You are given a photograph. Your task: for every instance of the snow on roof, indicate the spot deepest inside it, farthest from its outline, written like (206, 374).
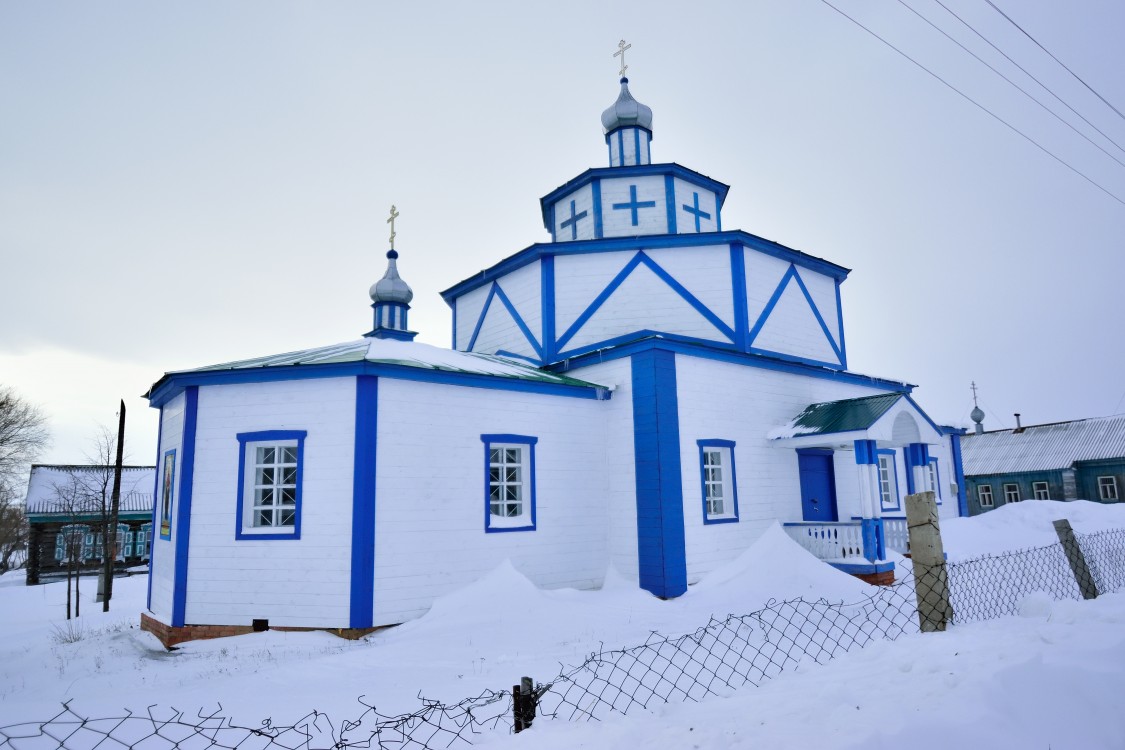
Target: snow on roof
(845, 415)
(406, 354)
(50, 488)
(1043, 447)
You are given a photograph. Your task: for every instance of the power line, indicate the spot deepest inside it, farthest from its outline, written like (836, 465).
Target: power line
(980, 106)
(1030, 75)
(1060, 62)
(1019, 88)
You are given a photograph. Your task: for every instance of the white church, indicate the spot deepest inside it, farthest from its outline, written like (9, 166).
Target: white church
(647, 391)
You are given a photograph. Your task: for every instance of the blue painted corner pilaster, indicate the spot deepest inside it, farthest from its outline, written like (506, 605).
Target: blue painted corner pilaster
(661, 547)
(874, 545)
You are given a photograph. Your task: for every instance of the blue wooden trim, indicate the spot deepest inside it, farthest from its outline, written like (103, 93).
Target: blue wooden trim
(629, 344)
(362, 601)
(718, 216)
(522, 357)
(155, 511)
(926, 416)
(959, 473)
(547, 307)
(159, 497)
(648, 242)
(729, 445)
(771, 303)
(263, 436)
(670, 202)
(840, 322)
(874, 539)
(816, 313)
(173, 384)
(677, 287)
(695, 211)
(502, 438)
(914, 454)
(894, 475)
(637, 144)
(183, 518)
(662, 554)
(639, 170)
(738, 290)
(863, 568)
(866, 452)
(572, 222)
(454, 347)
(620, 148)
(795, 358)
(497, 292)
(480, 318)
(596, 189)
(633, 206)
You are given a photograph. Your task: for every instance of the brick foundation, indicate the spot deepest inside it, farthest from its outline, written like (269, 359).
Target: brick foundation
(886, 578)
(172, 636)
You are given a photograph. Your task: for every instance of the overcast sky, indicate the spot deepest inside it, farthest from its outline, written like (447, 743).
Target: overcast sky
(185, 184)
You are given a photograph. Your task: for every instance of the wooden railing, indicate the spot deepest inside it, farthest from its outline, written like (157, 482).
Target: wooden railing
(896, 535)
(828, 541)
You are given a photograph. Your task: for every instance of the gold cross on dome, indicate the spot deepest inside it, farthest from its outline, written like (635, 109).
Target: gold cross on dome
(621, 47)
(391, 221)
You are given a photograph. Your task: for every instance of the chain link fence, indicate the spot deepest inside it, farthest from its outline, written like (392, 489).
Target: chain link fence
(724, 655)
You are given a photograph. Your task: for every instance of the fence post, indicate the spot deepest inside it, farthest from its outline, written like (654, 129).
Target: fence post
(1076, 559)
(931, 580)
(523, 704)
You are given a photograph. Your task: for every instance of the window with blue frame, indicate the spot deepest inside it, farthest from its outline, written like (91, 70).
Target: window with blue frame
(717, 478)
(509, 482)
(270, 470)
(888, 480)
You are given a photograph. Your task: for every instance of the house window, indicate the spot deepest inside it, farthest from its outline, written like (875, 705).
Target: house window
(1107, 488)
(717, 475)
(168, 477)
(509, 480)
(933, 476)
(141, 544)
(270, 469)
(1011, 493)
(1041, 490)
(984, 495)
(888, 480)
(70, 543)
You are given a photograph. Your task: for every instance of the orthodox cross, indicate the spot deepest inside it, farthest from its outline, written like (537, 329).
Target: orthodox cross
(572, 222)
(633, 204)
(391, 221)
(621, 47)
(695, 210)
(974, 389)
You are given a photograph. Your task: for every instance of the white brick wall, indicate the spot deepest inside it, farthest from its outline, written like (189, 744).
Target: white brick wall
(163, 550)
(429, 514)
(303, 582)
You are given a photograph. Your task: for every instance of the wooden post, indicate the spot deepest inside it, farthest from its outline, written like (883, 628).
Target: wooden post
(931, 581)
(523, 704)
(109, 549)
(1076, 559)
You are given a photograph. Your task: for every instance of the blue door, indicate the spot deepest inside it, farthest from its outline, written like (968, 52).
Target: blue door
(818, 485)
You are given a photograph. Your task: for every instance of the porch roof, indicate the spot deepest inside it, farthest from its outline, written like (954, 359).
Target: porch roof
(890, 418)
(842, 416)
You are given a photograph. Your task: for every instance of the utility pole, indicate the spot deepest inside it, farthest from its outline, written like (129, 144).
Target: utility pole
(110, 549)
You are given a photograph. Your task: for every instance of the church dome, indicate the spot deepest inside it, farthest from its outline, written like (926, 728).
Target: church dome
(391, 288)
(626, 112)
(977, 415)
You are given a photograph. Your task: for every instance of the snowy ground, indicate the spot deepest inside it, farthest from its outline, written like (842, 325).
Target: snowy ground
(1052, 677)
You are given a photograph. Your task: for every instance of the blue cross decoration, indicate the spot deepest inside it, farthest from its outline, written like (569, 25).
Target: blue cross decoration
(695, 210)
(572, 222)
(634, 204)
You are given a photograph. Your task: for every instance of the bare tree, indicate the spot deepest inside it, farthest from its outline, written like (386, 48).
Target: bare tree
(13, 531)
(23, 434)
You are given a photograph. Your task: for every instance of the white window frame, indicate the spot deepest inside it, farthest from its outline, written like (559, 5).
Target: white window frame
(1041, 490)
(277, 478)
(1107, 488)
(718, 481)
(1011, 492)
(982, 491)
(509, 480)
(887, 477)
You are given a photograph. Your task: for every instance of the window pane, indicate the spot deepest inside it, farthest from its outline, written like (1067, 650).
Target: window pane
(494, 455)
(264, 497)
(289, 475)
(288, 496)
(513, 455)
(290, 454)
(264, 518)
(265, 455)
(287, 517)
(265, 476)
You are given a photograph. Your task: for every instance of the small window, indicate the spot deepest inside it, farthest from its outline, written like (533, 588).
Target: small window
(933, 476)
(509, 466)
(141, 544)
(168, 478)
(720, 493)
(1107, 488)
(1041, 490)
(888, 480)
(70, 543)
(1011, 493)
(269, 490)
(984, 495)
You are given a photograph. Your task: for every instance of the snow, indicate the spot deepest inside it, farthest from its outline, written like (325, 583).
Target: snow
(1050, 676)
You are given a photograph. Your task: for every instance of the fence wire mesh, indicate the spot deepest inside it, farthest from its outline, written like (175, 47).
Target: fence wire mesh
(725, 654)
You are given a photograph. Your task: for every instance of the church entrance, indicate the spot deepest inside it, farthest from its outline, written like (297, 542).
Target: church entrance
(818, 485)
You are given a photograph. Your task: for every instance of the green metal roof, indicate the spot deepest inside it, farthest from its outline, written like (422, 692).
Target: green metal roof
(842, 416)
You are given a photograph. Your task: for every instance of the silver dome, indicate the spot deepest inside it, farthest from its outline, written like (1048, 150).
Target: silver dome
(976, 414)
(391, 288)
(626, 111)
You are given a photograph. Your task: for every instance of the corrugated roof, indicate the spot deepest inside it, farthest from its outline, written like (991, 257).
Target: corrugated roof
(1043, 447)
(405, 354)
(77, 489)
(841, 416)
